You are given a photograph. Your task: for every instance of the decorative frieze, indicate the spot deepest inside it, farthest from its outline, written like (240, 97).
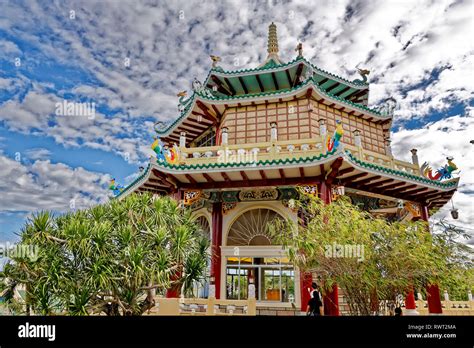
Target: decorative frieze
(258, 195)
(191, 196)
(228, 206)
(310, 190)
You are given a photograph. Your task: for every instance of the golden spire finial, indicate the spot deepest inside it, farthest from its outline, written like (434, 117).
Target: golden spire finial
(272, 49)
(272, 39)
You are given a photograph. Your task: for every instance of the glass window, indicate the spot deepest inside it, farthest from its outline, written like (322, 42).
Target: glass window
(273, 277)
(207, 140)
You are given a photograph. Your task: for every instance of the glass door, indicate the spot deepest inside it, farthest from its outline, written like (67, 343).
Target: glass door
(274, 278)
(237, 283)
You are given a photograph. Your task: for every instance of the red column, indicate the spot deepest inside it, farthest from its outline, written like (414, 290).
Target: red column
(218, 136)
(434, 300)
(432, 290)
(325, 192)
(331, 299)
(331, 302)
(410, 300)
(174, 290)
(306, 279)
(425, 215)
(216, 246)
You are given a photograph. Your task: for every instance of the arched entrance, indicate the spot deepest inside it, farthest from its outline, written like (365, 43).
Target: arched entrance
(251, 256)
(251, 228)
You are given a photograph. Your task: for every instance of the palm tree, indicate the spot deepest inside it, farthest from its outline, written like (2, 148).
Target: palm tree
(110, 258)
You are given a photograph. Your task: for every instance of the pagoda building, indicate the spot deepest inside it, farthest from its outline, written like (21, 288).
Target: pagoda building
(246, 139)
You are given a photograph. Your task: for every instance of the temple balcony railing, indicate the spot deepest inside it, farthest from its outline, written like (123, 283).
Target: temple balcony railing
(383, 160)
(252, 152)
(285, 149)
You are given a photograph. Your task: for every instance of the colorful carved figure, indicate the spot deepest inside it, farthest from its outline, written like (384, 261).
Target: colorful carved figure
(158, 147)
(333, 142)
(442, 173)
(116, 189)
(172, 155)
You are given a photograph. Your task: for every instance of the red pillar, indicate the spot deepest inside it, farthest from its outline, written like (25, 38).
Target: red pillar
(216, 246)
(425, 215)
(306, 279)
(331, 299)
(331, 302)
(410, 300)
(325, 192)
(174, 290)
(432, 290)
(434, 300)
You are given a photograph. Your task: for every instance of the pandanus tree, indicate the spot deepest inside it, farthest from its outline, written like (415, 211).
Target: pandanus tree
(111, 258)
(369, 258)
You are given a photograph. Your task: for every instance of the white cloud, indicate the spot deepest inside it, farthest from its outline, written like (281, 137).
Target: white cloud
(43, 185)
(38, 153)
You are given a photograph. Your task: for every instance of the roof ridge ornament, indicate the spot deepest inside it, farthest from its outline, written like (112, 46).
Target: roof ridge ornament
(272, 39)
(272, 46)
(215, 60)
(181, 102)
(199, 89)
(299, 49)
(363, 73)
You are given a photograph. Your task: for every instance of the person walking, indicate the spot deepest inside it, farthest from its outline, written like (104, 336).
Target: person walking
(315, 305)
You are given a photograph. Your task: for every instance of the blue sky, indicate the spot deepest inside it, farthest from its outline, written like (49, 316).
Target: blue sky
(130, 58)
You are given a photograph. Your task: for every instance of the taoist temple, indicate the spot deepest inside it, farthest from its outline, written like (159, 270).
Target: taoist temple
(245, 139)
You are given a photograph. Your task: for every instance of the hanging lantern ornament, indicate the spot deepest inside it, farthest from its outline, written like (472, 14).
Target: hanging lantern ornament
(454, 211)
(337, 191)
(340, 190)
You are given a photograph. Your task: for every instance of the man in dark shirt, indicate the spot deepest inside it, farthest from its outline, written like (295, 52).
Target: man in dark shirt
(314, 305)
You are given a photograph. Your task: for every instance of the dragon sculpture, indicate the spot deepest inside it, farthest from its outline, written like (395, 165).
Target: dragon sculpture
(200, 89)
(363, 73)
(215, 60)
(442, 173)
(181, 102)
(333, 142)
(116, 189)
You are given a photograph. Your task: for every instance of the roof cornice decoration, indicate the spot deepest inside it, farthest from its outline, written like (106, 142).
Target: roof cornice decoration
(305, 161)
